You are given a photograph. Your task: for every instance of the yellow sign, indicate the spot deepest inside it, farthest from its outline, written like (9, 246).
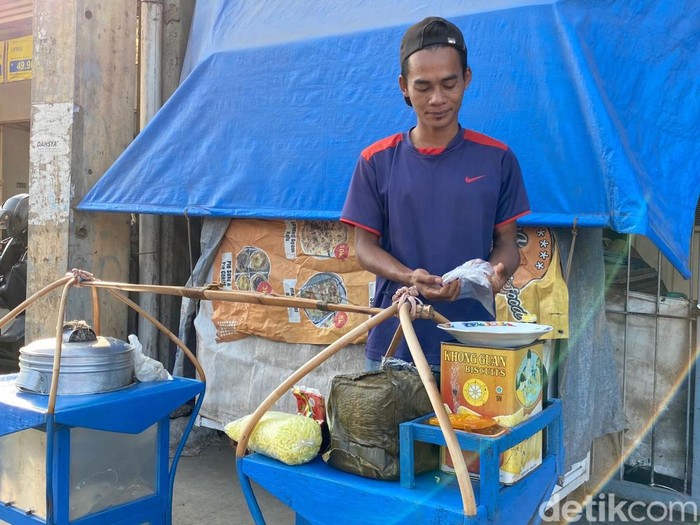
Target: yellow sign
(2, 62)
(19, 59)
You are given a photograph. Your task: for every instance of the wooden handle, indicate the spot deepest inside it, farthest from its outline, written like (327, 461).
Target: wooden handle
(426, 375)
(207, 293)
(56, 370)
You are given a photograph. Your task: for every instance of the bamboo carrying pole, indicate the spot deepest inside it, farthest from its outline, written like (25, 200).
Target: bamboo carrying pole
(80, 278)
(213, 294)
(59, 345)
(426, 375)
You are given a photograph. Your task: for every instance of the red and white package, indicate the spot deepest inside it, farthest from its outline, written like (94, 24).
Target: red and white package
(310, 403)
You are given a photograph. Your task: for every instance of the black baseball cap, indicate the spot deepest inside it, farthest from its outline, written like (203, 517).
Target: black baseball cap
(429, 31)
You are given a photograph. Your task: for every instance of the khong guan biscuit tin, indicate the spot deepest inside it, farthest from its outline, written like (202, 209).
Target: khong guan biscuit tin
(501, 383)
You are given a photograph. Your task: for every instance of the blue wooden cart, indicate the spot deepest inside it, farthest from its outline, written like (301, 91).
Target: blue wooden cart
(57, 436)
(320, 494)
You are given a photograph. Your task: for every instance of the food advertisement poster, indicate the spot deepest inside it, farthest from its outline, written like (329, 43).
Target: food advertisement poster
(19, 59)
(537, 287)
(306, 259)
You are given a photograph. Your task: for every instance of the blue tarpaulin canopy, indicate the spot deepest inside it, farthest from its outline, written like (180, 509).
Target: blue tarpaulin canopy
(599, 100)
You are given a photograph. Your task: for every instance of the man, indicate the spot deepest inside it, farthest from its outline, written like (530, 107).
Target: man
(425, 201)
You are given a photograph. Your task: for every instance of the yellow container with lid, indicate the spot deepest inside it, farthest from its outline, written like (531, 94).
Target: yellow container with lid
(505, 384)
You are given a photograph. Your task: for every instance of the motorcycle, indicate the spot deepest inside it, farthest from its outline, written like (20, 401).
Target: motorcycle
(13, 275)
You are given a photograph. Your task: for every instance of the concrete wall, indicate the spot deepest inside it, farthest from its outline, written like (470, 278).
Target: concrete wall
(15, 108)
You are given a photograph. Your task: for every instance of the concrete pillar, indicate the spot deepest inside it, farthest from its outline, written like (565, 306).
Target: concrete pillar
(83, 99)
(177, 19)
(175, 264)
(150, 74)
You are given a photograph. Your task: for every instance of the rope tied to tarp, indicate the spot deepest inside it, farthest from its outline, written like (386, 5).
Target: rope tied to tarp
(570, 258)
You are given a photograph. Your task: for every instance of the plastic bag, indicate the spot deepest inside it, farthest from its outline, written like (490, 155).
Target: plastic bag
(289, 438)
(398, 364)
(474, 278)
(145, 368)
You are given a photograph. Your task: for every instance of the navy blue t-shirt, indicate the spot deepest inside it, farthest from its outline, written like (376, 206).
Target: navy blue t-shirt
(433, 209)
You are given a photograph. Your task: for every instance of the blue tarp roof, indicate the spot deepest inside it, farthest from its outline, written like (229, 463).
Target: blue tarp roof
(599, 100)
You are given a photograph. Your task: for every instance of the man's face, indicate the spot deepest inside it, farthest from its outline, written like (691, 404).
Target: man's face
(435, 83)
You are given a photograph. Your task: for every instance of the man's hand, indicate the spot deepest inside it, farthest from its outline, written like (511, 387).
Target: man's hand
(432, 288)
(499, 278)
(376, 260)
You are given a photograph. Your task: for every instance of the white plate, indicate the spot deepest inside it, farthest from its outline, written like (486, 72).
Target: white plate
(497, 334)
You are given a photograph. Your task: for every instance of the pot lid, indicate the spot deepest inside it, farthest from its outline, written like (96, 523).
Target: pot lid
(79, 340)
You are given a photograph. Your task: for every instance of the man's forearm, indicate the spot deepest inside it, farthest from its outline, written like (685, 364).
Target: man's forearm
(376, 260)
(508, 254)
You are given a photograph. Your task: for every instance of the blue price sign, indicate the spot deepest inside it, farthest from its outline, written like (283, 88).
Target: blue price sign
(19, 66)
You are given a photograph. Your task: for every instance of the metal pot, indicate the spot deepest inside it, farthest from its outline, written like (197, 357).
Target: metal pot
(89, 364)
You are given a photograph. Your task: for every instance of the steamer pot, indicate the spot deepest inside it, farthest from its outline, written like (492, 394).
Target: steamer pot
(89, 363)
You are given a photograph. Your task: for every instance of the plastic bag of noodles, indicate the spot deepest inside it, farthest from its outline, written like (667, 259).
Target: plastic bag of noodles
(364, 411)
(289, 438)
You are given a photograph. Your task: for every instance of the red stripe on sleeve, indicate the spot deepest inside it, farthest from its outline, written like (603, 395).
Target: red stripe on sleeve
(381, 145)
(358, 225)
(514, 218)
(480, 138)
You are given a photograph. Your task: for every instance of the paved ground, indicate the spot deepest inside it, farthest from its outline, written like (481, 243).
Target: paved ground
(207, 492)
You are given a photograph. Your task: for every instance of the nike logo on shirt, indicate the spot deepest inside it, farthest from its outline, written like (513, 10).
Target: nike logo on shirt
(473, 179)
